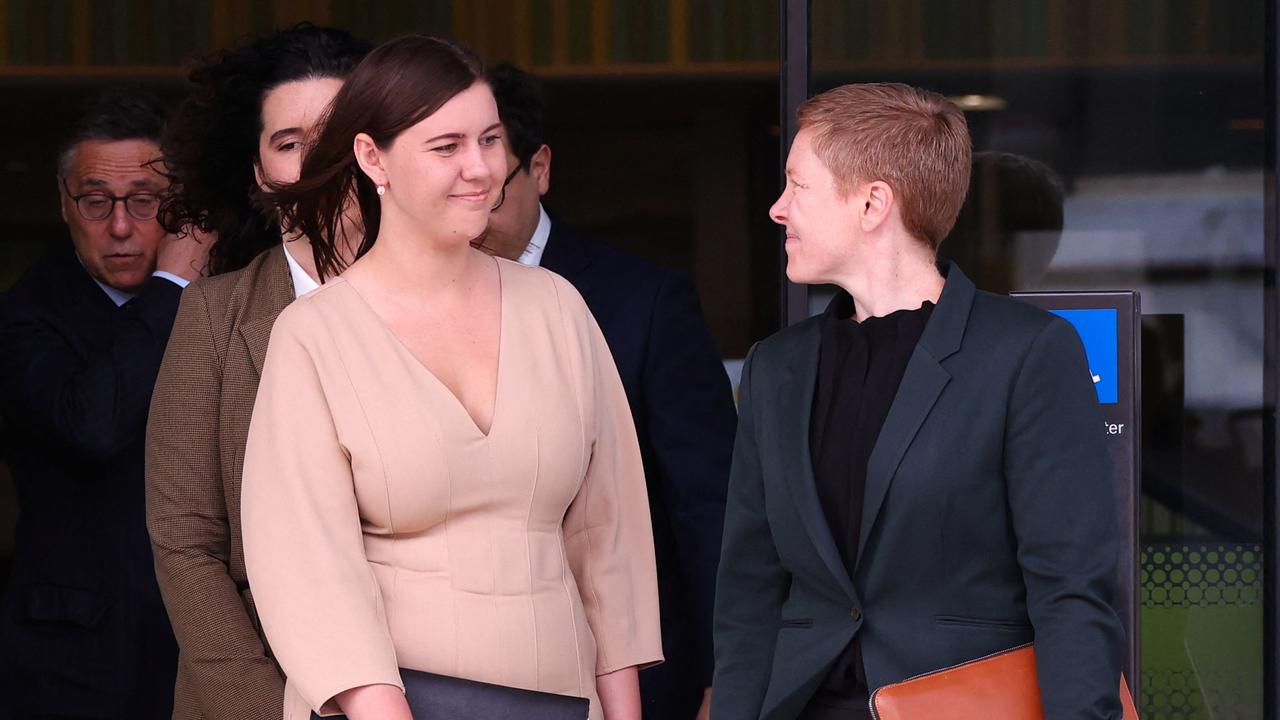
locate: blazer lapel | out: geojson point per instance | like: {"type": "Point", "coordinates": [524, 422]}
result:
{"type": "Point", "coordinates": [271, 292]}
{"type": "Point", "coordinates": [922, 383]}
{"type": "Point", "coordinates": [256, 335]}
{"type": "Point", "coordinates": [795, 405]}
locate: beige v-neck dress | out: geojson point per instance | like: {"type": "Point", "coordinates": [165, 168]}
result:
{"type": "Point", "coordinates": [383, 529]}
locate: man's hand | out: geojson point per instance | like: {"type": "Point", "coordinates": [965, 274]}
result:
{"type": "Point", "coordinates": [704, 711]}
{"type": "Point", "coordinates": [185, 254]}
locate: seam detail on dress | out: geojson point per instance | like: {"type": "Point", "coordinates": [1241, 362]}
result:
{"type": "Point", "coordinates": [528, 557]}
{"type": "Point", "coordinates": [364, 413]}
{"type": "Point", "coordinates": [573, 621]}
{"type": "Point", "coordinates": [577, 391]}
{"type": "Point", "coordinates": [494, 589]}
{"type": "Point", "coordinates": [448, 550]}
{"type": "Point", "coordinates": [564, 555]}
{"type": "Point", "coordinates": [379, 604]}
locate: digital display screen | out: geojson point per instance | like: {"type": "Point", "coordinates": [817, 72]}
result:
{"type": "Point", "coordinates": [1100, 335]}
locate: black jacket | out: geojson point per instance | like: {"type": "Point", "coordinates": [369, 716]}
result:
{"type": "Point", "coordinates": [683, 409]}
{"type": "Point", "coordinates": [82, 630]}
{"type": "Point", "coordinates": [988, 522]}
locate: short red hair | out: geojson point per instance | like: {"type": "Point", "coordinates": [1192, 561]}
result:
{"type": "Point", "coordinates": [914, 140]}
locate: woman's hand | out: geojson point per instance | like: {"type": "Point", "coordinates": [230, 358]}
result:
{"type": "Point", "coordinates": [376, 702]}
{"type": "Point", "coordinates": [620, 694]}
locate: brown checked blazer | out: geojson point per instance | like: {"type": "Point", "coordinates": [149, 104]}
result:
{"type": "Point", "coordinates": [196, 435]}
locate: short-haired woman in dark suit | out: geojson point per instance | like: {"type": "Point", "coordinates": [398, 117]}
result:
{"type": "Point", "coordinates": [919, 477]}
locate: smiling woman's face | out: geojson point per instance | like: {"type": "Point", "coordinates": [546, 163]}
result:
{"type": "Point", "coordinates": [442, 175]}
{"type": "Point", "coordinates": [289, 115]}
{"type": "Point", "coordinates": [821, 223]}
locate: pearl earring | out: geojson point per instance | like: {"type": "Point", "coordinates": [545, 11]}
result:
{"type": "Point", "coordinates": [382, 189]}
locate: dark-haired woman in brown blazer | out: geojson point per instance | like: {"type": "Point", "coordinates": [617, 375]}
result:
{"type": "Point", "coordinates": [245, 122]}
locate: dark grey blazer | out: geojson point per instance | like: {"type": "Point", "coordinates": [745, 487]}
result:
{"type": "Point", "coordinates": [988, 521]}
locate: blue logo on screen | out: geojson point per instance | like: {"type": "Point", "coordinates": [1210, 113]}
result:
{"type": "Point", "coordinates": [1100, 334]}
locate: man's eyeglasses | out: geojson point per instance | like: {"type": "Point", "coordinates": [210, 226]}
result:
{"type": "Point", "coordinates": [99, 205]}
{"type": "Point", "coordinates": [502, 197]}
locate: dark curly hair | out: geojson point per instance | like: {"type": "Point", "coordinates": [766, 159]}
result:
{"type": "Point", "coordinates": [212, 143]}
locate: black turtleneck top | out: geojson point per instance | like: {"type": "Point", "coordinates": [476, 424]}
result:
{"type": "Point", "coordinates": [860, 366]}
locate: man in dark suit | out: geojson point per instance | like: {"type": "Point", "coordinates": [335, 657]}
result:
{"type": "Point", "coordinates": [83, 633]}
{"type": "Point", "coordinates": [675, 382]}
{"type": "Point", "coordinates": [919, 477]}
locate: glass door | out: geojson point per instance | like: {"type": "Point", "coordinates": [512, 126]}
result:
{"type": "Point", "coordinates": [1120, 145]}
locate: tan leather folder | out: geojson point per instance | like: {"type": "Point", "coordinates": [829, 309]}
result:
{"type": "Point", "coordinates": [1002, 686]}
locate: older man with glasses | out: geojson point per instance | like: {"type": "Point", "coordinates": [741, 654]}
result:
{"type": "Point", "coordinates": [83, 632]}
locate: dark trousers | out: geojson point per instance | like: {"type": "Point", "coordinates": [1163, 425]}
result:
{"type": "Point", "coordinates": [825, 706]}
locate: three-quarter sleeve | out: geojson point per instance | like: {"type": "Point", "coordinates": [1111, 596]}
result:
{"type": "Point", "coordinates": [608, 533]}
{"type": "Point", "coordinates": [319, 603]}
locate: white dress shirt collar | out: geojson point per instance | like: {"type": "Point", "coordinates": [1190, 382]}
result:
{"type": "Point", "coordinates": [119, 297]}
{"type": "Point", "coordinates": [532, 254]}
{"type": "Point", "coordinates": [302, 282]}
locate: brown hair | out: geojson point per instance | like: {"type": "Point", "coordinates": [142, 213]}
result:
{"type": "Point", "coordinates": [398, 84]}
{"type": "Point", "coordinates": [914, 140]}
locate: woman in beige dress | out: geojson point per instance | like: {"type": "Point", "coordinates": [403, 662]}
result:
{"type": "Point", "coordinates": [441, 471]}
